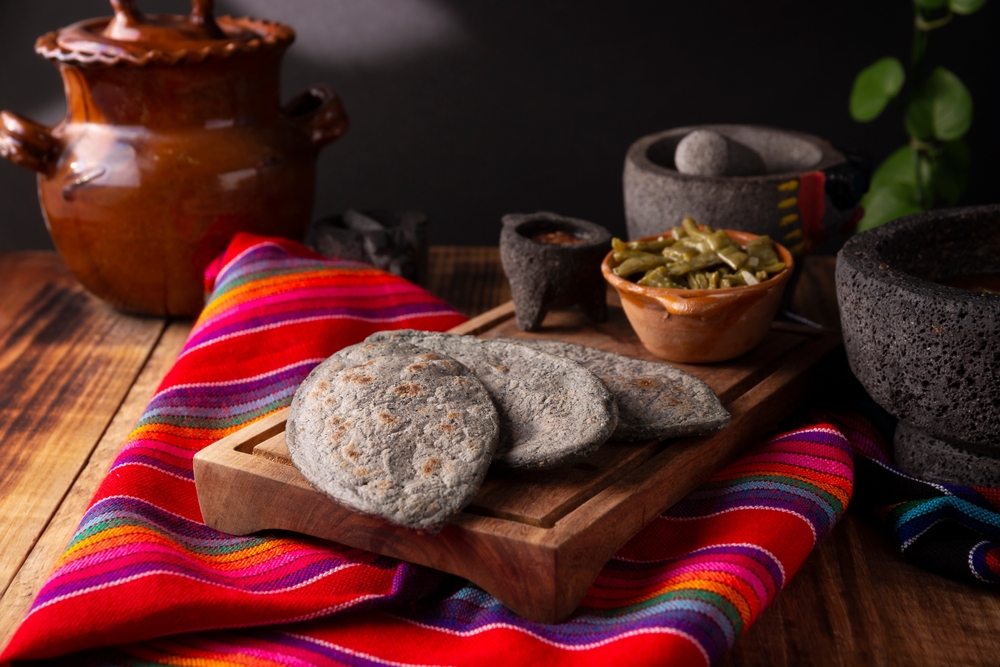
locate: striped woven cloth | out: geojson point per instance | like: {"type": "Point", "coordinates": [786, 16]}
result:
{"type": "Point", "coordinates": [143, 568]}
{"type": "Point", "coordinates": [945, 528]}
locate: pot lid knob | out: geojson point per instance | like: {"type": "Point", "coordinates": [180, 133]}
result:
{"type": "Point", "coordinates": [136, 39]}
{"type": "Point", "coordinates": [131, 25]}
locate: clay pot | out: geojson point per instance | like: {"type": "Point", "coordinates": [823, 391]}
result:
{"type": "Point", "coordinates": [174, 141]}
{"type": "Point", "coordinates": [701, 326]}
{"type": "Point", "coordinates": [807, 194]}
{"type": "Point", "coordinates": [551, 275]}
{"type": "Point", "coordinates": [927, 352]}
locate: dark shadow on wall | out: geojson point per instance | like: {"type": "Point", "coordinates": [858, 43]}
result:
{"type": "Point", "coordinates": [534, 108]}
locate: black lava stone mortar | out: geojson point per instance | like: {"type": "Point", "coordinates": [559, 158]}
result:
{"type": "Point", "coordinates": [553, 275]}
{"type": "Point", "coordinates": [926, 352]}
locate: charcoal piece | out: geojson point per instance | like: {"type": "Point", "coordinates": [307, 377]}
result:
{"type": "Point", "coordinates": [396, 242]}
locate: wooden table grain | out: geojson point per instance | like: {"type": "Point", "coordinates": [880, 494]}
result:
{"type": "Point", "coordinates": [75, 376]}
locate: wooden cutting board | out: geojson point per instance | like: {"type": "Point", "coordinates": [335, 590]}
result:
{"type": "Point", "coordinates": [535, 540]}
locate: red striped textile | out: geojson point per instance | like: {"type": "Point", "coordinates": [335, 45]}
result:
{"type": "Point", "coordinates": [143, 568]}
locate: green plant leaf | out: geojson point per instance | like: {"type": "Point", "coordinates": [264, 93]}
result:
{"type": "Point", "coordinates": [930, 4]}
{"type": "Point", "coordinates": [888, 203]}
{"type": "Point", "coordinates": [920, 118]}
{"type": "Point", "coordinates": [897, 168]}
{"type": "Point", "coordinates": [928, 170]}
{"type": "Point", "coordinates": [893, 184]}
{"type": "Point", "coordinates": [874, 88]}
{"type": "Point", "coordinates": [948, 175]}
{"type": "Point", "coordinates": [965, 7]}
{"type": "Point", "coordinates": [942, 108]}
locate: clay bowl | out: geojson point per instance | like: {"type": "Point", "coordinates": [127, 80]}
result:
{"type": "Point", "coordinates": [701, 326]}
{"type": "Point", "coordinates": [927, 352]}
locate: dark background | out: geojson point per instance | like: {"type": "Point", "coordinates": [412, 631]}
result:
{"type": "Point", "coordinates": [470, 109]}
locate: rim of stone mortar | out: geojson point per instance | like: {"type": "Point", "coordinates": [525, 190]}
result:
{"type": "Point", "coordinates": [596, 235]}
{"type": "Point", "coordinates": [638, 154]}
{"type": "Point", "coordinates": [868, 253]}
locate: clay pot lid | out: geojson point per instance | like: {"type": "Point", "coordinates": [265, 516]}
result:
{"type": "Point", "coordinates": [133, 38]}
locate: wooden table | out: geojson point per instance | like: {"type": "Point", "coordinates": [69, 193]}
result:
{"type": "Point", "coordinates": [75, 376]}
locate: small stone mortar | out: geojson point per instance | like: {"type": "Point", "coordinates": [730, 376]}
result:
{"type": "Point", "coordinates": [552, 275]}
{"type": "Point", "coordinates": [926, 352]}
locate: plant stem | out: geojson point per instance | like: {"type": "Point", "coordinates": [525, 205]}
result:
{"type": "Point", "coordinates": [920, 36]}
{"type": "Point", "coordinates": [928, 24]}
{"type": "Point", "coordinates": [919, 51]}
{"type": "Point", "coordinates": [923, 24]}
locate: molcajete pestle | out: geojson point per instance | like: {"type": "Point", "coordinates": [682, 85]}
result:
{"type": "Point", "coordinates": [791, 186]}
{"type": "Point", "coordinates": [553, 262]}
{"type": "Point", "coordinates": [174, 141]}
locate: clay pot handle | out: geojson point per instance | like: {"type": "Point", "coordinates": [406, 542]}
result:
{"type": "Point", "coordinates": [705, 306]}
{"type": "Point", "coordinates": [27, 143]}
{"type": "Point", "coordinates": [318, 111]}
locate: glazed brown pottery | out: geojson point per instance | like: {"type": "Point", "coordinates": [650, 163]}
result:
{"type": "Point", "coordinates": [174, 141]}
{"type": "Point", "coordinates": [701, 326]}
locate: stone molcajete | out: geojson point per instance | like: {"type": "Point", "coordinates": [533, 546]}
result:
{"type": "Point", "coordinates": [174, 141]}
{"type": "Point", "coordinates": [553, 262]}
{"type": "Point", "coordinates": [794, 187]}
{"type": "Point", "coordinates": [927, 352]}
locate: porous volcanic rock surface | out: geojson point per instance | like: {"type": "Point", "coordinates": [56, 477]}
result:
{"type": "Point", "coordinates": [926, 352]}
{"type": "Point", "coordinates": [658, 195]}
{"type": "Point", "coordinates": [544, 276]}
{"type": "Point", "coordinates": [920, 455]}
